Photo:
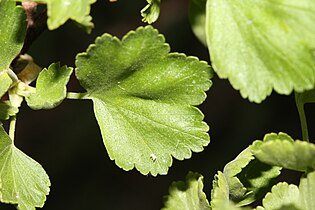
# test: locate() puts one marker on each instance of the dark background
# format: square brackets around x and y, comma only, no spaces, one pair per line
[67,141]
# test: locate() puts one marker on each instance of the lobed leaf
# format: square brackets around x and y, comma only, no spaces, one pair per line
[187,195]
[59,11]
[283,196]
[22,180]
[50,87]
[262,45]
[297,155]
[151,11]
[143,99]
[12,33]
[248,178]
[220,199]
[307,191]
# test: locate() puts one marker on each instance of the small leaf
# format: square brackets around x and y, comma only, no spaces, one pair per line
[262,45]
[5,83]
[143,99]
[22,180]
[151,11]
[220,194]
[50,87]
[7,110]
[12,33]
[59,11]
[297,155]
[197,17]
[248,178]
[283,196]
[187,195]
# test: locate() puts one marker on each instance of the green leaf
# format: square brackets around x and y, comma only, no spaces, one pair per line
[297,155]
[220,194]
[262,45]
[197,17]
[282,197]
[59,11]
[248,178]
[12,32]
[151,11]
[290,197]
[5,83]
[22,180]
[7,110]
[143,99]
[50,87]
[307,191]
[187,195]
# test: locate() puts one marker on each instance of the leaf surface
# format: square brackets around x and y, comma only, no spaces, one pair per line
[263,45]
[283,196]
[22,180]
[59,11]
[151,11]
[187,195]
[220,199]
[5,83]
[143,99]
[50,87]
[12,33]
[297,155]
[7,110]
[248,178]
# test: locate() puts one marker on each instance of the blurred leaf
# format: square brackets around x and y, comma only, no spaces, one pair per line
[263,45]
[307,191]
[151,11]
[22,180]
[143,99]
[297,155]
[59,11]
[197,17]
[50,87]
[12,33]
[6,110]
[187,195]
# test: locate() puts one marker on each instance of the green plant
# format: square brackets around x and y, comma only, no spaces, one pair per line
[145,97]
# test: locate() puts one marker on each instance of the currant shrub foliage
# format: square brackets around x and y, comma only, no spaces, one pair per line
[145,97]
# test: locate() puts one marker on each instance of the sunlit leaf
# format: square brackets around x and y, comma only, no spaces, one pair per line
[187,195]
[283,196]
[143,99]
[59,11]
[5,82]
[307,191]
[12,33]
[22,180]
[151,11]
[220,199]
[50,87]
[295,155]
[263,45]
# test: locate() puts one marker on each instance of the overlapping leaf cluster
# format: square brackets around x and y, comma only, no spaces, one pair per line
[251,176]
